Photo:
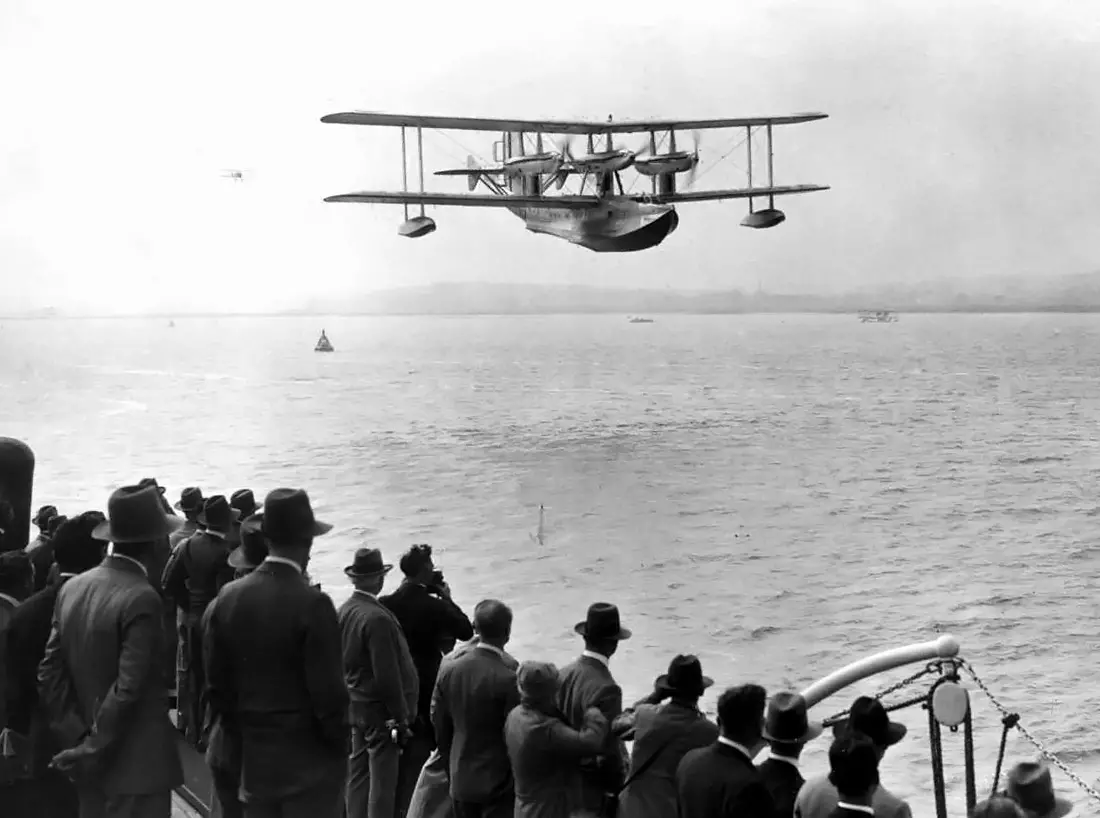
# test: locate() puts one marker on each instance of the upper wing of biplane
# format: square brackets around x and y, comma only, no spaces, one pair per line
[734,193]
[562,126]
[467,200]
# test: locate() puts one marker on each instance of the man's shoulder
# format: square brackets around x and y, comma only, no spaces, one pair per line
[886,803]
[37,605]
[694,759]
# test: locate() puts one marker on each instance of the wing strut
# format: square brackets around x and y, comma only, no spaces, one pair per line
[771,180]
[405,171]
[420,151]
[748,143]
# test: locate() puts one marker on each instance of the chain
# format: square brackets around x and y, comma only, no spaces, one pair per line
[908,680]
[1038,744]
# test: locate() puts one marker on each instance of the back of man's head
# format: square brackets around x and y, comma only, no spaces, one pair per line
[16,574]
[853,767]
[414,561]
[493,622]
[74,549]
[741,713]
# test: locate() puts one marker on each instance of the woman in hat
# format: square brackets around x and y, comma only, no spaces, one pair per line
[538,739]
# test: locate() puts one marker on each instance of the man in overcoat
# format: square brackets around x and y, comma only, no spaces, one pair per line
[275,672]
[100,679]
[382,684]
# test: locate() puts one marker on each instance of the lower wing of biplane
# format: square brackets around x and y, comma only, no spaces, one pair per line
[522,177]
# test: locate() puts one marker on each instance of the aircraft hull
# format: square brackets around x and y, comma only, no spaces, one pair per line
[623,227]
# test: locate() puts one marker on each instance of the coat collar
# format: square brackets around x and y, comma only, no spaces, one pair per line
[125,563]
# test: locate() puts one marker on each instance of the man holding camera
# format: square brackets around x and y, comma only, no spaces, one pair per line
[432,623]
[382,684]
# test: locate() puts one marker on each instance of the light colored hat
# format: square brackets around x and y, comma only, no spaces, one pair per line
[537,678]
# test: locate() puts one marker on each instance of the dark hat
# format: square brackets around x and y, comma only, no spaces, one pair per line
[55,523]
[253,548]
[685,675]
[288,515]
[135,514]
[1030,785]
[44,514]
[787,721]
[367,563]
[602,622]
[869,717]
[190,499]
[245,502]
[74,548]
[145,482]
[217,514]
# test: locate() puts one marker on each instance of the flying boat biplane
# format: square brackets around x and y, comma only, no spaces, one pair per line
[608,219]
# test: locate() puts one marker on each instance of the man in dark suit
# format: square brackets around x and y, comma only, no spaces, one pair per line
[275,674]
[195,573]
[41,549]
[787,729]
[853,770]
[720,781]
[470,705]
[587,683]
[99,679]
[48,793]
[382,684]
[432,623]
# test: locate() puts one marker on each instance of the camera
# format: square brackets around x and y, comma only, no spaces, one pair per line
[437,578]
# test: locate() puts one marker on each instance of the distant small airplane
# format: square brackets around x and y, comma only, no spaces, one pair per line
[235,175]
[605,221]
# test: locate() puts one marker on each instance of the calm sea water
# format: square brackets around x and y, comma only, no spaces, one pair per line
[780,495]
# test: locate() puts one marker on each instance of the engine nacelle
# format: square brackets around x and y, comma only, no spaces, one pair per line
[761,219]
[417,227]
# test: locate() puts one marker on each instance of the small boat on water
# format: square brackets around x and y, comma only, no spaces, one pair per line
[323,344]
[639,320]
[877,317]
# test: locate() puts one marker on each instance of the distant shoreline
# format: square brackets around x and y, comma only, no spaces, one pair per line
[989,310]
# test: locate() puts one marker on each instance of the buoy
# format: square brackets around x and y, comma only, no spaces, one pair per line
[16,483]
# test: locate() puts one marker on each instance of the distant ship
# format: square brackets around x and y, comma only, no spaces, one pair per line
[171,324]
[639,320]
[877,316]
[323,344]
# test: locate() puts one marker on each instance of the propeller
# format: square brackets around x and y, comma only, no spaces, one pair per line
[695,138]
[566,151]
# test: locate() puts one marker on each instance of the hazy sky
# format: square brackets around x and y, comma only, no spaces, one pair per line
[962,141]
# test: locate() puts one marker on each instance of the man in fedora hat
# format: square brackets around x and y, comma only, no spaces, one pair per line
[721,780]
[1030,785]
[47,792]
[432,623]
[787,729]
[586,683]
[470,705]
[99,678]
[818,797]
[382,684]
[539,740]
[245,502]
[663,735]
[223,749]
[190,503]
[199,567]
[274,670]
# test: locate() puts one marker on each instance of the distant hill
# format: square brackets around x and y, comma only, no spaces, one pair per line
[1080,293]
[1065,293]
